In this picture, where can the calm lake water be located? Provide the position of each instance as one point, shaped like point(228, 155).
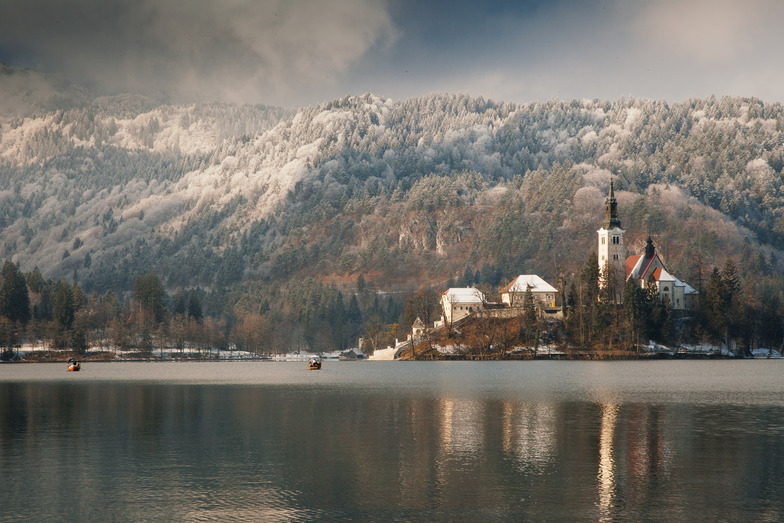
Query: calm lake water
point(378, 441)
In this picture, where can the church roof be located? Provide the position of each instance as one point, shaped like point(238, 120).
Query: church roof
point(631, 263)
point(522, 282)
point(659, 274)
point(641, 267)
point(688, 288)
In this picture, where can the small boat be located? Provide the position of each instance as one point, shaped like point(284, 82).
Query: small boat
point(74, 365)
point(314, 363)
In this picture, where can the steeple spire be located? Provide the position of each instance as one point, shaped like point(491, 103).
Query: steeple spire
point(611, 219)
point(650, 250)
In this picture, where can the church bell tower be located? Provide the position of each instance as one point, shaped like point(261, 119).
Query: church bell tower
point(611, 252)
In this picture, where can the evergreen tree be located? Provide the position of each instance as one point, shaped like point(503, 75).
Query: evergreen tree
point(35, 281)
point(179, 307)
point(44, 310)
point(64, 306)
point(530, 324)
point(733, 304)
point(715, 306)
point(148, 291)
point(194, 306)
point(14, 298)
point(9, 338)
point(636, 311)
point(468, 277)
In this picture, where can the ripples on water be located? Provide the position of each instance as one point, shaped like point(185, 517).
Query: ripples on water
point(264, 441)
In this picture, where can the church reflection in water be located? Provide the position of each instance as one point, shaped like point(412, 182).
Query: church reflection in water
point(623, 447)
point(606, 474)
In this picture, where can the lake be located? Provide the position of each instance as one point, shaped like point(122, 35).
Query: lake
point(392, 441)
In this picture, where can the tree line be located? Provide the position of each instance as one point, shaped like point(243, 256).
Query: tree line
point(735, 308)
point(738, 314)
point(58, 315)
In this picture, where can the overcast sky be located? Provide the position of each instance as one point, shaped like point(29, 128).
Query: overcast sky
point(289, 52)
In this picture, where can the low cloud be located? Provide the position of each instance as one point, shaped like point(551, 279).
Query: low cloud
point(293, 53)
point(705, 31)
point(274, 52)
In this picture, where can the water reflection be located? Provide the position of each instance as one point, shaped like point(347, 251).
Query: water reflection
point(606, 476)
point(145, 451)
point(461, 426)
point(529, 433)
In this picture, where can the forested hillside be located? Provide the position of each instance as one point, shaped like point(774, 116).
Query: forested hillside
point(279, 212)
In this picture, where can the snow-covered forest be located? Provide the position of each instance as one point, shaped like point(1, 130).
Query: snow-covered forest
point(248, 205)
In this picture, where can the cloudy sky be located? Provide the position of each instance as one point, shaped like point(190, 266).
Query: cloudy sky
point(298, 52)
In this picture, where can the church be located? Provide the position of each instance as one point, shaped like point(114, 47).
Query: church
point(642, 267)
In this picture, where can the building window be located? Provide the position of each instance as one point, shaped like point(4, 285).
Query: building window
point(602, 240)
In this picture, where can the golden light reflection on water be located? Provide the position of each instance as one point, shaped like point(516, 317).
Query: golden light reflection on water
point(461, 425)
point(606, 474)
point(529, 432)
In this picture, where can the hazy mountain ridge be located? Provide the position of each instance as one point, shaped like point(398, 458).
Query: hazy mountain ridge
point(26, 92)
point(214, 195)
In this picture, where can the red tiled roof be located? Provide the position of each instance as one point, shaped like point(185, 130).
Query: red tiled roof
point(631, 261)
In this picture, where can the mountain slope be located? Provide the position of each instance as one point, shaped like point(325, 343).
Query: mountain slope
point(236, 197)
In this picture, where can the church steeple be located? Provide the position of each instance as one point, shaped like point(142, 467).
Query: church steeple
point(650, 250)
point(611, 252)
point(611, 220)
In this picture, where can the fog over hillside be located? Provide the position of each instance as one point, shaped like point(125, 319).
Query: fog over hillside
point(228, 198)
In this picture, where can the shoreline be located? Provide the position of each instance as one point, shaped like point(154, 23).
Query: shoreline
point(222, 356)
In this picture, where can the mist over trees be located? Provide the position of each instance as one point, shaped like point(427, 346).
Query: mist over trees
point(267, 216)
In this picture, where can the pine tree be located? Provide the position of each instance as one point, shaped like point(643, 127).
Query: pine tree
point(732, 298)
point(64, 308)
point(194, 306)
point(14, 298)
point(179, 307)
point(149, 292)
point(635, 310)
point(715, 305)
point(529, 316)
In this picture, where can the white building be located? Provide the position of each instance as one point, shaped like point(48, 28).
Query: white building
point(542, 292)
point(460, 302)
